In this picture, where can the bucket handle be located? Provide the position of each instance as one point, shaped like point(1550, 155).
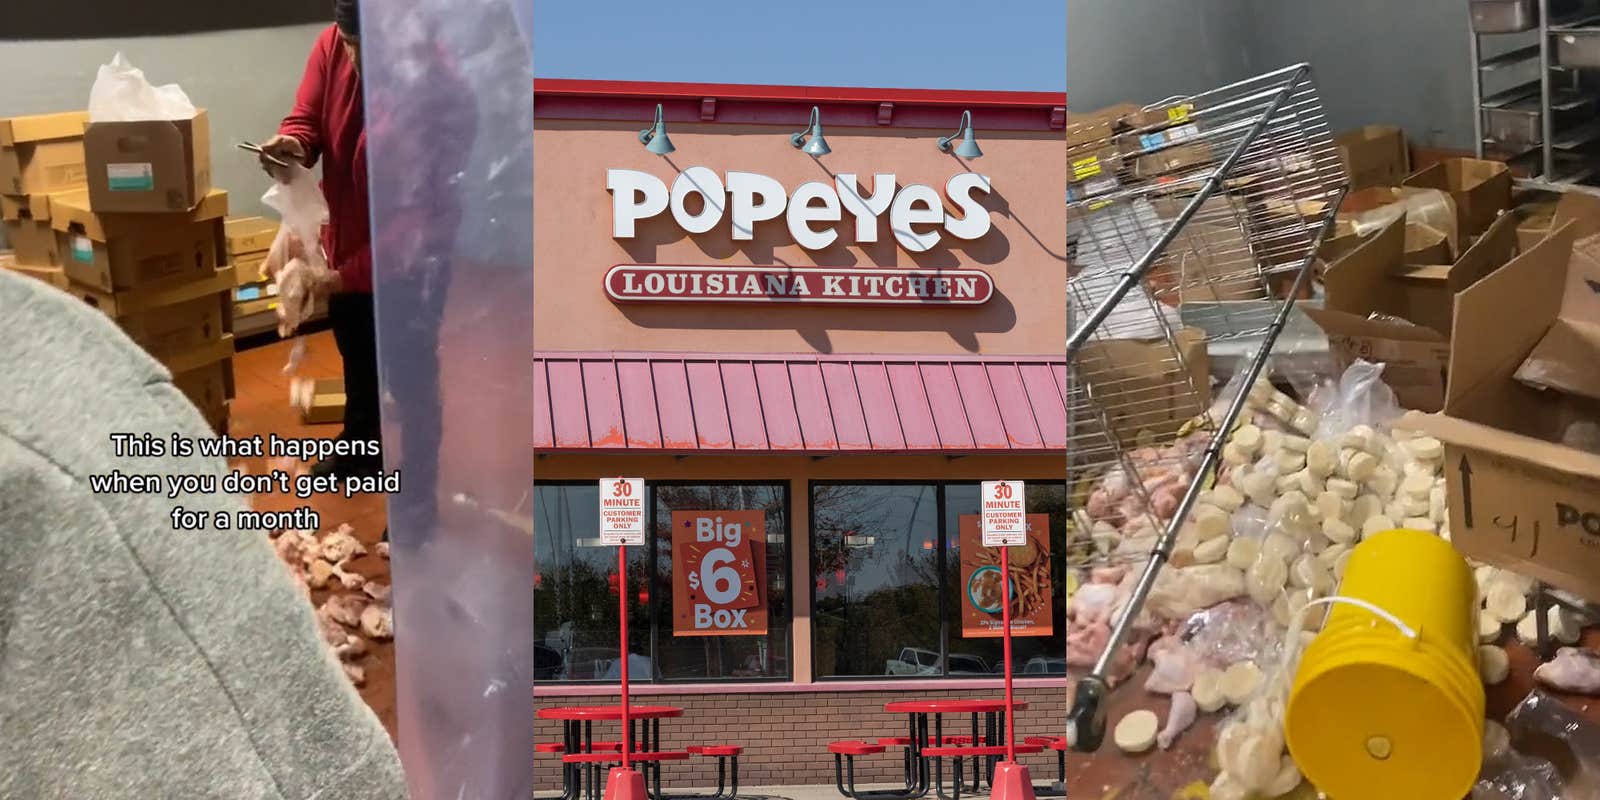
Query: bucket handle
point(1292, 649)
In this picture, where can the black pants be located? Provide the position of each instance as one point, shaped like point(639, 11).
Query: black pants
point(414, 388)
point(354, 330)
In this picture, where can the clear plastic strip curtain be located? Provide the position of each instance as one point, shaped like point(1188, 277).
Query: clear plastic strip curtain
point(449, 110)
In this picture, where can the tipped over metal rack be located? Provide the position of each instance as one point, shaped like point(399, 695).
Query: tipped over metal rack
point(1220, 198)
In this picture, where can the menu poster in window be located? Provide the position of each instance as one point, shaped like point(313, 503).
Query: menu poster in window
point(981, 592)
point(717, 581)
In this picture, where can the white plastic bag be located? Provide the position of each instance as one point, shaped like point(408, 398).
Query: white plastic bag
point(295, 262)
point(1363, 399)
point(121, 94)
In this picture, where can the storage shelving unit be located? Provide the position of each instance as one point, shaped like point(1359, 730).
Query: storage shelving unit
point(1550, 123)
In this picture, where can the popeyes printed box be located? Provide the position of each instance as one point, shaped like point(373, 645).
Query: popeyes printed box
point(1521, 421)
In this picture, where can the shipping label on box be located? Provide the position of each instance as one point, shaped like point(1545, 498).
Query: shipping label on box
point(116, 252)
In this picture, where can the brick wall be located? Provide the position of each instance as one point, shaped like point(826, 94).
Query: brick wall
point(785, 735)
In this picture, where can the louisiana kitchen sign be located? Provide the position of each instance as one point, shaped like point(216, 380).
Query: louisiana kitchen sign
point(657, 283)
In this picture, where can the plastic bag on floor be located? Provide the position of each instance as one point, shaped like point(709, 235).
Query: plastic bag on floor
point(122, 94)
point(1555, 755)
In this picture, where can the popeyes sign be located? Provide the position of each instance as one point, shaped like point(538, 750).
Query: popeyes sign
point(916, 212)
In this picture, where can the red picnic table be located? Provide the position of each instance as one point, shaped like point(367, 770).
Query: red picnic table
point(927, 745)
point(578, 748)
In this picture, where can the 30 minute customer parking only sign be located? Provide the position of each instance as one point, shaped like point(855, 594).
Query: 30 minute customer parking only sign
point(622, 511)
point(1005, 521)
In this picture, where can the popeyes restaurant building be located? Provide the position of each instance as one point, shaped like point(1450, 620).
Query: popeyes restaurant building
point(812, 361)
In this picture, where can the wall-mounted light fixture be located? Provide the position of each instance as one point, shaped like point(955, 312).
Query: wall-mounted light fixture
point(969, 142)
point(818, 146)
point(654, 138)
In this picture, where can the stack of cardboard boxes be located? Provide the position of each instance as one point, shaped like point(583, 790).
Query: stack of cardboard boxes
point(39, 155)
point(122, 215)
point(254, 298)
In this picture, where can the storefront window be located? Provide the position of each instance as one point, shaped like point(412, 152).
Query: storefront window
point(890, 586)
point(1032, 655)
point(575, 586)
point(697, 644)
point(875, 571)
point(575, 591)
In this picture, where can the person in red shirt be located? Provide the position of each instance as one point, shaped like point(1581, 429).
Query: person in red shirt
point(328, 124)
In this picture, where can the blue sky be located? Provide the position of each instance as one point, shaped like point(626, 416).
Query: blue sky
point(933, 44)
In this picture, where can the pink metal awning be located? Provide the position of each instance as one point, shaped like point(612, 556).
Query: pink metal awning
point(803, 404)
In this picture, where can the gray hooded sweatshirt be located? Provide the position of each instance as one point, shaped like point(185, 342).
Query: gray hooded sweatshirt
point(137, 661)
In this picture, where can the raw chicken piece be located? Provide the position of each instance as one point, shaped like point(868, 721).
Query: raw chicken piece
point(1573, 670)
point(377, 591)
point(333, 634)
point(1180, 715)
point(1176, 666)
point(1177, 593)
point(353, 648)
point(1093, 603)
point(320, 573)
point(1085, 643)
point(377, 623)
point(340, 547)
point(357, 675)
point(383, 549)
point(349, 580)
point(345, 609)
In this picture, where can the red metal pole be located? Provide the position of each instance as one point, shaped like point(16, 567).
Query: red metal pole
point(622, 619)
point(1005, 620)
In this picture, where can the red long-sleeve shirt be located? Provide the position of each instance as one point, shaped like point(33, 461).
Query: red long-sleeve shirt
point(328, 120)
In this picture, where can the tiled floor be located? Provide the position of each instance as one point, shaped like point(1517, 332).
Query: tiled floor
point(262, 407)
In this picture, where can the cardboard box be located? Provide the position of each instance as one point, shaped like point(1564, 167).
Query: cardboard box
point(51, 275)
point(1374, 155)
point(42, 153)
point(250, 235)
point(1150, 390)
point(26, 220)
point(249, 267)
point(320, 400)
point(1173, 159)
point(150, 166)
point(1096, 127)
point(180, 326)
point(1093, 170)
point(1426, 245)
point(1517, 497)
point(205, 376)
point(114, 252)
point(1366, 211)
point(152, 298)
point(1411, 335)
point(1480, 190)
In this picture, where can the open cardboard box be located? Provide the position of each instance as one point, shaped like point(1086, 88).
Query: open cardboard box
point(1412, 337)
point(1480, 189)
point(148, 166)
point(1374, 155)
point(1523, 371)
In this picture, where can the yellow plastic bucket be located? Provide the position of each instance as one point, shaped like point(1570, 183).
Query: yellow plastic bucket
point(1374, 713)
